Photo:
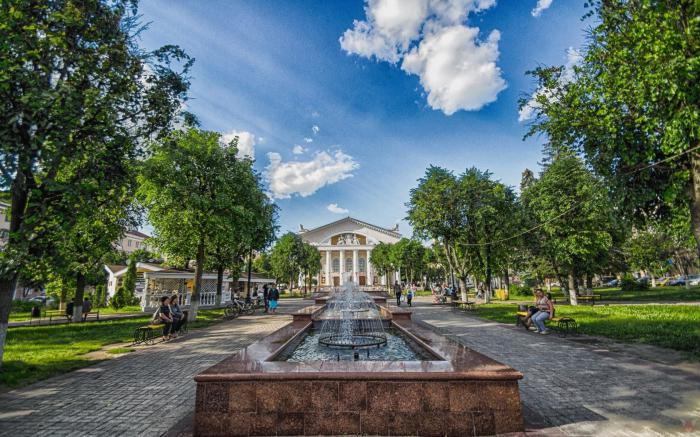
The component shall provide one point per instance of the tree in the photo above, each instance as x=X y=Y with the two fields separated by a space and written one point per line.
x=74 y=83
x=262 y=263
x=381 y=262
x=287 y=258
x=574 y=216
x=311 y=264
x=408 y=255
x=191 y=187
x=631 y=103
x=129 y=282
x=649 y=250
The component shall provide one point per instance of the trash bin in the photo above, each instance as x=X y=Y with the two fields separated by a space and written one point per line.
x=36 y=312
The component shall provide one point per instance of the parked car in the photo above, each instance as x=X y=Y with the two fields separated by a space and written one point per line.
x=612 y=283
x=43 y=300
x=679 y=281
x=693 y=280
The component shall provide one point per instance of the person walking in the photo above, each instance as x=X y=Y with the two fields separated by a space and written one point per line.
x=411 y=292
x=274 y=297
x=397 y=292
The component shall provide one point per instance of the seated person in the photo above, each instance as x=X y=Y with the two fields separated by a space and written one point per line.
x=87 y=307
x=545 y=311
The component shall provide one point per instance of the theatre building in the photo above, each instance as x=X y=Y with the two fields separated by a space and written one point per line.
x=346 y=248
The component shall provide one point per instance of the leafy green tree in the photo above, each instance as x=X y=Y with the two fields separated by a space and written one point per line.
x=74 y=84
x=408 y=255
x=262 y=263
x=191 y=187
x=287 y=258
x=633 y=102
x=129 y=281
x=310 y=264
x=574 y=216
x=649 y=250
x=380 y=258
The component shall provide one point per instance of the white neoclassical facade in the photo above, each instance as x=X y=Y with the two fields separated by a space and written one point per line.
x=346 y=247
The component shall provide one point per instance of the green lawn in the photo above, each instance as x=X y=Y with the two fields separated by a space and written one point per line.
x=24 y=316
x=672 y=326
x=33 y=353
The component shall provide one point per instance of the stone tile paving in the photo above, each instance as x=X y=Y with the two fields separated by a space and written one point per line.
x=143 y=393
x=577 y=389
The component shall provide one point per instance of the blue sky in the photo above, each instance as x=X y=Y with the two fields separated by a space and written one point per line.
x=366 y=114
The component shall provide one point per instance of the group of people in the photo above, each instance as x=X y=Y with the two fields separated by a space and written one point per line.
x=86 y=308
x=170 y=315
x=270 y=297
x=401 y=297
x=442 y=292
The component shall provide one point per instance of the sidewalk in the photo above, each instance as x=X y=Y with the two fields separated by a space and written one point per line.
x=572 y=388
x=145 y=392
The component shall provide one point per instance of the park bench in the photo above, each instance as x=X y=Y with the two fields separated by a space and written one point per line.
x=463 y=305
x=147 y=334
x=589 y=298
x=561 y=325
x=59 y=315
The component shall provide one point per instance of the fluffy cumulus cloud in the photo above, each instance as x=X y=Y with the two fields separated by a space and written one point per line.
x=541 y=6
x=335 y=209
x=298 y=150
x=304 y=178
x=527 y=112
x=430 y=39
x=315 y=129
x=246 y=142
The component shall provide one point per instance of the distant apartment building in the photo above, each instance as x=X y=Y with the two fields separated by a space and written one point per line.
x=132 y=241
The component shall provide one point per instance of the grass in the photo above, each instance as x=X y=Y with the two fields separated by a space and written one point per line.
x=671 y=326
x=33 y=353
x=120 y=350
x=26 y=315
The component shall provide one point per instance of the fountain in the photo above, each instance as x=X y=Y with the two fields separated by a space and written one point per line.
x=351 y=366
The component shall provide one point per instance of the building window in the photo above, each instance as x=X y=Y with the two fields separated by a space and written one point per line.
x=362 y=265
x=348 y=264
x=137 y=244
x=128 y=242
x=336 y=265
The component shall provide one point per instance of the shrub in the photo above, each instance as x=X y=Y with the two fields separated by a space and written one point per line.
x=629 y=283
x=21 y=306
x=522 y=290
x=119 y=300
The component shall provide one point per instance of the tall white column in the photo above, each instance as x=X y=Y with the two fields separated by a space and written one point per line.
x=368 y=269
x=329 y=279
x=355 y=272
x=342 y=266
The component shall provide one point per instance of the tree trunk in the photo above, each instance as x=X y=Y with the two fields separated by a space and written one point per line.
x=695 y=198
x=62 y=299
x=7 y=288
x=549 y=285
x=506 y=280
x=653 y=280
x=589 y=283
x=463 y=288
x=219 y=284
x=250 y=267
x=78 y=299
x=487 y=294
x=199 y=269
x=573 y=289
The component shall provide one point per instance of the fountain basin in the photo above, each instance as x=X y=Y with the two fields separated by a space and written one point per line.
x=457 y=391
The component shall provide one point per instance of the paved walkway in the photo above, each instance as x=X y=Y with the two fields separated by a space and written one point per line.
x=143 y=393
x=576 y=389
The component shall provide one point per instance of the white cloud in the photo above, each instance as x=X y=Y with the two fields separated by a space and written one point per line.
x=335 y=209
x=246 y=142
x=298 y=150
x=456 y=69
x=315 y=129
x=308 y=140
x=527 y=112
x=540 y=7
x=306 y=177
